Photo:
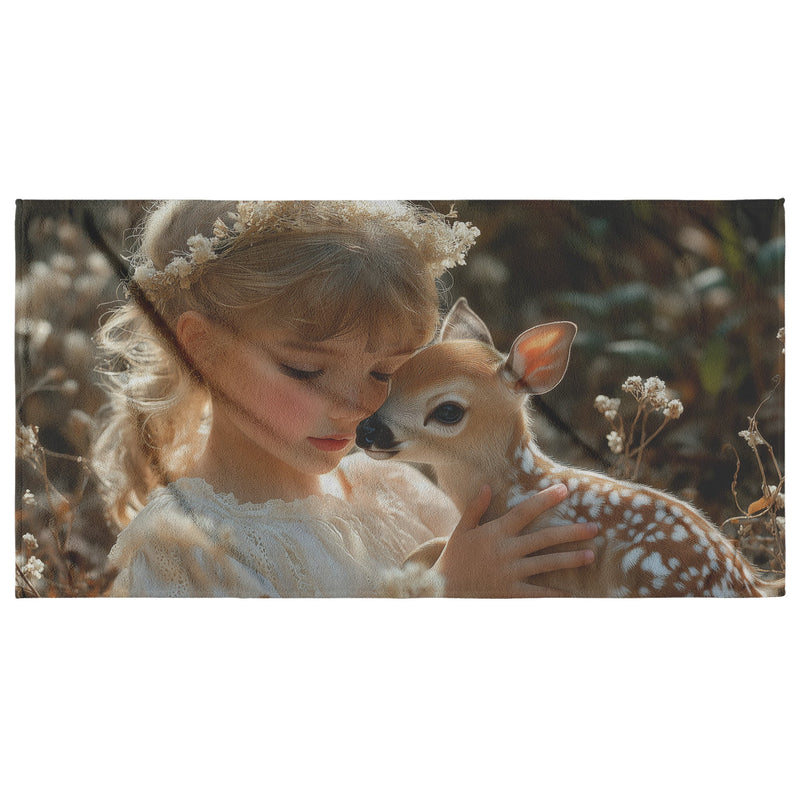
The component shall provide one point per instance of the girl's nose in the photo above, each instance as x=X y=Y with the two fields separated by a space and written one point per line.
x=359 y=401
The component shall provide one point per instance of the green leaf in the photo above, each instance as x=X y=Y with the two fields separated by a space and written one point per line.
x=710 y=278
x=640 y=354
x=714 y=366
x=634 y=298
x=592 y=305
x=770 y=257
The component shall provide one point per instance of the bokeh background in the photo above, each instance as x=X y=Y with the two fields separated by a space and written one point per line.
x=692 y=292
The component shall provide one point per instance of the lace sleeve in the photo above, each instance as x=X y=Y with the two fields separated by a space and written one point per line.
x=162 y=554
x=396 y=487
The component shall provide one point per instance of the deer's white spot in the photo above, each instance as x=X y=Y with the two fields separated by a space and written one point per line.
x=614 y=498
x=729 y=566
x=640 y=500
x=643 y=591
x=517 y=494
x=572 y=484
x=631 y=557
x=674 y=563
x=679 y=533
x=638 y=519
x=527 y=461
x=654 y=564
x=694 y=572
x=589 y=497
x=594 y=510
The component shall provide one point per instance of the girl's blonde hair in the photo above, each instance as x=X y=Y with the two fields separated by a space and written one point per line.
x=321 y=268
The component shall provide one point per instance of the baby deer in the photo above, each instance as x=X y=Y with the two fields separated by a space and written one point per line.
x=459 y=405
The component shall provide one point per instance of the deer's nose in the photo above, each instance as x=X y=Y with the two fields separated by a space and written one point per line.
x=372 y=432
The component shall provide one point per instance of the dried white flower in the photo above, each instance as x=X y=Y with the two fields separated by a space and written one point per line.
x=607 y=406
x=30 y=541
x=201 y=248
x=411 y=580
x=673 y=409
x=33 y=568
x=615 y=443
x=61 y=262
x=98 y=264
x=782 y=338
x=221 y=230
x=779 y=497
x=634 y=385
x=752 y=437
x=27 y=440
x=29 y=500
x=144 y=273
x=655 y=392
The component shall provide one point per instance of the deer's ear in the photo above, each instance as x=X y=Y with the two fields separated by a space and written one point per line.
x=539 y=357
x=462 y=322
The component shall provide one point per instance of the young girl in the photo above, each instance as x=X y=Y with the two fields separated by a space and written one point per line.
x=256 y=337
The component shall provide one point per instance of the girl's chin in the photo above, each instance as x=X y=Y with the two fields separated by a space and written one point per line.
x=331 y=445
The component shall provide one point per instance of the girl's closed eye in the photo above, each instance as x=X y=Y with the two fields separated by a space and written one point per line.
x=383 y=377
x=299 y=374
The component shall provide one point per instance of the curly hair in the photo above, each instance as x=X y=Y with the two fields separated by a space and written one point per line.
x=321 y=268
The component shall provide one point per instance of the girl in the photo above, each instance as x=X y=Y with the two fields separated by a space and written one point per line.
x=256 y=338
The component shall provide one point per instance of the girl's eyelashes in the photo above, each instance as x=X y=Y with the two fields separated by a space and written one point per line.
x=299 y=374
x=307 y=375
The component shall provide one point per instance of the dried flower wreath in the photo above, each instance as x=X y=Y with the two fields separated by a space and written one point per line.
x=441 y=241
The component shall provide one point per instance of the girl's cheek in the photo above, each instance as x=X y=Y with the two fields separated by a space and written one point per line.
x=290 y=408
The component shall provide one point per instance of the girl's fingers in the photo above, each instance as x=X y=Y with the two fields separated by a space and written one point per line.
x=513 y=521
x=471 y=517
x=530 y=543
x=536 y=565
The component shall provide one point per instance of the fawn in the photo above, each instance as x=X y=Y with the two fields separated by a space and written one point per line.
x=459 y=405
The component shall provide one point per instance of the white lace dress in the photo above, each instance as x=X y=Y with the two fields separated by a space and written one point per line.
x=189 y=541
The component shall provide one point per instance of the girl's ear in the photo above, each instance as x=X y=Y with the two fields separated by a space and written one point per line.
x=193 y=332
x=539 y=357
x=462 y=322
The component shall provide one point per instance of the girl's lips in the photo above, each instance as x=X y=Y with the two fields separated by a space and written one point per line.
x=330 y=444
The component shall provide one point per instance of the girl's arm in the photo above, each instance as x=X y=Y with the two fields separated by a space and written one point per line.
x=494 y=560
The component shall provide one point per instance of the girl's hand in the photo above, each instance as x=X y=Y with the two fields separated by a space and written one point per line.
x=494 y=560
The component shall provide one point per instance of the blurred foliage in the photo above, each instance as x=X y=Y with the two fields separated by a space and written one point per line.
x=690 y=291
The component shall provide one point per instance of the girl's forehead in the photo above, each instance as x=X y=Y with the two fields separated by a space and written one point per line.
x=384 y=341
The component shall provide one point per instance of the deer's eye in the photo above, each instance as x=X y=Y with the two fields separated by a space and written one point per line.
x=447 y=413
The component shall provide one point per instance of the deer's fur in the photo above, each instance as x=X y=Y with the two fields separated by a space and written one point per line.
x=650 y=543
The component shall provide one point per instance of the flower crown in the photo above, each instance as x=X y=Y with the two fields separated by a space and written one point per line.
x=441 y=241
